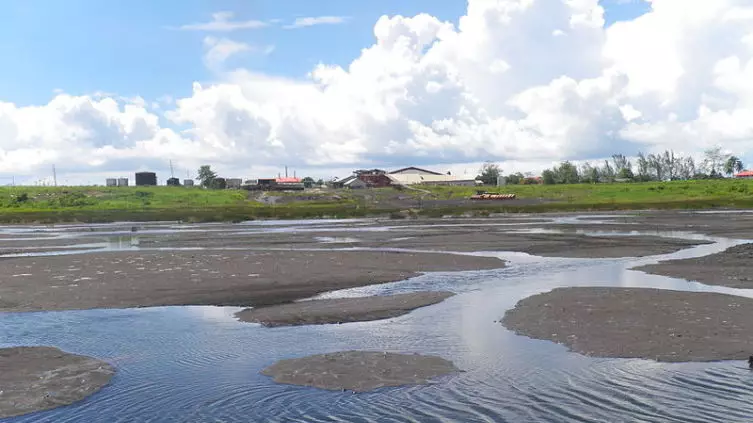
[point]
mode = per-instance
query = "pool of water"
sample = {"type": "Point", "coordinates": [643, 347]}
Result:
{"type": "Point", "coordinates": [198, 364]}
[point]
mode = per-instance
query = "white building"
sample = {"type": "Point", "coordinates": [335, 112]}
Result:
{"type": "Point", "coordinates": [415, 176]}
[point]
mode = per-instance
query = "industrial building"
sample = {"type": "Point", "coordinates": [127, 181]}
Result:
{"type": "Point", "coordinates": [116, 182]}
{"type": "Point", "coordinates": [274, 184]}
{"type": "Point", "coordinates": [416, 176]}
{"type": "Point", "coordinates": [146, 179]}
{"type": "Point", "coordinates": [173, 182]}
{"type": "Point", "coordinates": [188, 182]}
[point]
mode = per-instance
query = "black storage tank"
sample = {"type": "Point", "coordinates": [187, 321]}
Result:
{"type": "Point", "coordinates": [146, 179]}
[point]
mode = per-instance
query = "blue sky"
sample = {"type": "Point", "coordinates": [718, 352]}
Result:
{"type": "Point", "coordinates": [126, 47]}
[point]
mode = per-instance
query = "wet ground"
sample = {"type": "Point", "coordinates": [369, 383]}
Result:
{"type": "Point", "coordinates": [199, 364]}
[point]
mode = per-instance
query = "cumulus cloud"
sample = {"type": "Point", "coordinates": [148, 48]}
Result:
{"type": "Point", "coordinates": [316, 20]}
{"type": "Point", "coordinates": [526, 82]}
{"type": "Point", "coordinates": [222, 22]}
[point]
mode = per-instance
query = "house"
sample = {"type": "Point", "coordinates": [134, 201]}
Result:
{"type": "Point", "coordinates": [745, 174]}
{"type": "Point", "coordinates": [374, 178]}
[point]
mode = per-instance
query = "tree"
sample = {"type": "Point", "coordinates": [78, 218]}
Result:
{"type": "Point", "coordinates": [644, 173]}
{"type": "Point", "coordinates": [206, 176]}
{"type": "Point", "coordinates": [308, 182]}
{"type": "Point", "coordinates": [607, 172]}
{"type": "Point", "coordinates": [489, 173]}
{"type": "Point", "coordinates": [548, 177]}
{"type": "Point", "coordinates": [514, 178]}
{"type": "Point", "coordinates": [621, 165]}
{"type": "Point", "coordinates": [588, 173]}
{"type": "Point", "coordinates": [566, 173]}
{"type": "Point", "coordinates": [732, 165]}
{"type": "Point", "coordinates": [669, 164]}
{"type": "Point", "coordinates": [218, 183]}
{"type": "Point", "coordinates": [687, 168]}
{"type": "Point", "coordinates": [713, 161]}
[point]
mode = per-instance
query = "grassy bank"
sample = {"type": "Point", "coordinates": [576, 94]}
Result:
{"type": "Point", "coordinates": [100, 204]}
{"type": "Point", "coordinates": [723, 190]}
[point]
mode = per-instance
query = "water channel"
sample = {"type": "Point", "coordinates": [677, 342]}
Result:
{"type": "Point", "coordinates": [198, 364]}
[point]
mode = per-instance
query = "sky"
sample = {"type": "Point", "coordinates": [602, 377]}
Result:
{"type": "Point", "coordinates": [105, 89]}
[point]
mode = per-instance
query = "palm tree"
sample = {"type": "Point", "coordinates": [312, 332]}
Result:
{"type": "Point", "coordinates": [733, 165]}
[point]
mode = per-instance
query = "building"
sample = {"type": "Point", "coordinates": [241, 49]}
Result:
{"type": "Point", "coordinates": [111, 182]}
{"type": "Point", "coordinates": [352, 182]}
{"type": "Point", "coordinates": [173, 182]}
{"type": "Point", "coordinates": [745, 174]}
{"type": "Point", "coordinates": [417, 176]}
{"type": "Point", "coordinates": [414, 171]}
{"type": "Point", "coordinates": [234, 183]}
{"type": "Point", "coordinates": [146, 179]}
{"type": "Point", "coordinates": [122, 182]}
{"type": "Point", "coordinates": [374, 178]}
{"type": "Point", "coordinates": [188, 182]}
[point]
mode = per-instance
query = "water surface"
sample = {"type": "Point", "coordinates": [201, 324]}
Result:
{"type": "Point", "coordinates": [198, 364]}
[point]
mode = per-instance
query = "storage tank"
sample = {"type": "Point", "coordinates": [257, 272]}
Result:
{"type": "Point", "coordinates": [111, 182]}
{"type": "Point", "coordinates": [122, 182]}
{"type": "Point", "coordinates": [146, 179]}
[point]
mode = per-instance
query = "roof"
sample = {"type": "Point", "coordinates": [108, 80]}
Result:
{"type": "Point", "coordinates": [288, 180]}
{"type": "Point", "coordinates": [431, 172]}
{"type": "Point", "coordinates": [353, 181]}
{"type": "Point", "coordinates": [745, 174]}
{"type": "Point", "coordinates": [346, 179]}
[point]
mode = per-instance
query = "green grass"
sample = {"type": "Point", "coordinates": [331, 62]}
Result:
{"type": "Point", "coordinates": [100, 204]}
{"type": "Point", "coordinates": [720, 191]}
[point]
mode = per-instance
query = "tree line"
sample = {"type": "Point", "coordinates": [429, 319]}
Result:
{"type": "Point", "coordinates": [666, 166]}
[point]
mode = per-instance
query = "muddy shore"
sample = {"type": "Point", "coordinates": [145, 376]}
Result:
{"type": "Point", "coordinates": [225, 278]}
{"type": "Point", "coordinates": [341, 310]}
{"type": "Point", "coordinates": [359, 371]}
{"type": "Point", "coordinates": [662, 325]}
{"type": "Point", "coordinates": [40, 378]}
{"type": "Point", "coordinates": [730, 268]}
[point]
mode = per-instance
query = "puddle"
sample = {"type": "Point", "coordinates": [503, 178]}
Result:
{"type": "Point", "coordinates": [199, 364]}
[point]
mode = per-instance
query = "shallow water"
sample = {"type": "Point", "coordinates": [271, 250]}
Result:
{"type": "Point", "coordinates": [197, 364]}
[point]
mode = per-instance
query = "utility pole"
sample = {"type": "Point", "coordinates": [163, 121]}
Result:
{"type": "Point", "coordinates": [286, 171]}
{"type": "Point", "coordinates": [172, 174]}
{"type": "Point", "coordinates": [54, 176]}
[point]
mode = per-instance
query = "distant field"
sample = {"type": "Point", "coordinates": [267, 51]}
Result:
{"type": "Point", "coordinates": [90, 204]}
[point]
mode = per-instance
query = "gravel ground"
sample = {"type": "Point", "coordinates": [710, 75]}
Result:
{"type": "Point", "coordinates": [662, 325]}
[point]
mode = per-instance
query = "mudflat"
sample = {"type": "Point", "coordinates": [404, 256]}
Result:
{"type": "Point", "coordinates": [341, 310]}
{"type": "Point", "coordinates": [731, 268]}
{"type": "Point", "coordinates": [40, 378]}
{"type": "Point", "coordinates": [546, 245]}
{"type": "Point", "coordinates": [359, 371]}
{"type": "Point", "coordinates": [662, 325]}
{"type": "Point", "coordinates": [229, 278]}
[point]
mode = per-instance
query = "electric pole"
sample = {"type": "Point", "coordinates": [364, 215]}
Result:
{"type": "Point", "coordinates": [54, 176]}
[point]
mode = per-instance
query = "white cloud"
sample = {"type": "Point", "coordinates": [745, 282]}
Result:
{"type": "Point", "coordinates": [222, 22]}
{"type": "Point", "coordinates": [316, 20]}
{"type": "Point", "coordinates": [498, 85]}
{"type": "Point", "coordinates": [220, 49]}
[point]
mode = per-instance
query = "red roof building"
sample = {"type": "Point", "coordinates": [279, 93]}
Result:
{"type": "Point", "coordinates": [745, 174]}
{"type": "Point", "coordinates": [288, 180]}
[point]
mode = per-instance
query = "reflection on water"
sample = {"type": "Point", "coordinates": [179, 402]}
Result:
{"type": "Point", "coordinates": [197, 364]}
